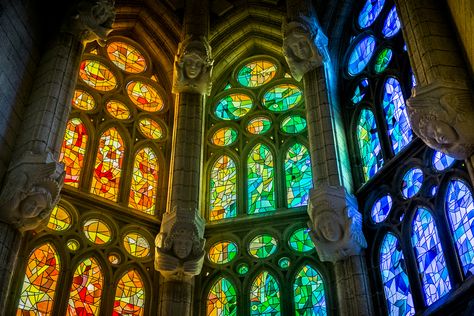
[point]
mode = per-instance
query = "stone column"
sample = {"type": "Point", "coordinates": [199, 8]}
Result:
{"type": "Point", "coordinates": [35, 177]}
{"type": "Point", "coordinates": [180, 244]}
{"type": "Point", "coordinates": [335, 222]}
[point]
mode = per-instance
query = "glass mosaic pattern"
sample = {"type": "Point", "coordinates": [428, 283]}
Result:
{"type": "Point", "coordinates": [383, 59]}
{"type": "Point", "coordinates": [256, 73]}
{"type": "Point", "coordinates": [293, 124]}
{"type": "Point", "coordinates": [282, 97]}
{"type": "Point", "coordinates": [265, 295]}
{"type": "Point", "coordinates": [97, 75]}
{"type": "Point", "coordinates": [369, 144]}
{"type": "Point", "coordinates": [86, 289]}
{"type": "Point", "coordinates": [126, 57]}
{"type": "Point", "coordinates": [60, 219]}
{"type": "Point", "coordinates": [309, 293]}
{"type": "Point", "coordinates": [441, 161]}
{"type": "Point", "coordinates": [284, 263]}
{"type": "Point", "coordinates": [394, 278]}
{"type": "Point", "coordinates": [242, 268]}
{"type": "Point", "coordinates": [144, 96]}
{"type": "Point", "coordinates": [136, 245]}
{"type": "Point", "coordinates": [460, 209]}
{"type": "Point", "coordinates": [381, 208]}
{"type": "Point", "coordinates": [223, 252]}
{"type": "Point", "coordinates": [118, 110]}
{"type": "Point", "coordinates": [222, 299]}
{"type": "Point", "coordinates": [83, 100]}
{"type": "Point", "coordinates": [360, 91]}
{"type": "Point", "coordinates": [224, 136]}
{"type": "Point", "coordinates": [392, 24]}
{"type": "Point", "coordinates": [73, 151]}
{"type": "Point", "coordinates": [262, 246]}
{"type": "Point", "coordinates": [144, 181]}
{"type": "Point", "coordinates": [233, 107]}
{"type": "Point", "coordinates": [97, 231]}
{"type": "Point", "coordinates": [396, 115]}
{"type": "Point", "coordinates": [261, 195]}
{"type": "Point", "coordinates": [370, 12]}
{"type": "Point", "coordinates": [430, 257]}
{"type": "Point", "coordinates": [223, 189]}
{"type": "Point", "coordinates": [300, 240]}
{"type": "Point", "coordinates": [150, 128]}
{"type": "Point", "coordinates": [39, 283]}
{"type": "Point", "coordinates": [114, 259]}
{"type": "Point", "coordinates": [72, 244]}
{"type": "Point", "coordinates": [129, 295]}
{"type": "Point", "coordinates": [361, 55]}
{"type": "Point", "coordinates": [298, 175]}
{"type": "Point", "coordinates": [411, 182]}
{"type": "Point", "coordinates": [108, 165]}
{"type": "Point", "coordinates": [259, 125]}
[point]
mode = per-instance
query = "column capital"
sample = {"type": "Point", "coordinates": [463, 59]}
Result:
{"type": "Point", "coordinates": [336, 224]}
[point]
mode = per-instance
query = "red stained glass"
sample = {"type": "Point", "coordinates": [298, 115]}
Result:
{"type": "Point", "coordinates": [126, 57]}
{"type": "Point", "coordinates": [73, 151]}
{"type": "Point", "coordinates": [130, 295]}
{"type": "Point", "coordinates": [97, 75]}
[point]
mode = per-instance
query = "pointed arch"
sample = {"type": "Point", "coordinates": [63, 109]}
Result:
{"type": "Point", "coordinates": [73, 150]}
{"type": "Point", "coordinates": [368, 140]}
{"type": "Point", "coordinates": [298, 176]}
{"type": "Point", "coordinates": [265, 295]}
{"type": "Point", "coordinates": [222, 298]}
{"type": "Point", "coordinates": [223, 189]}
{"type": "Point", "coordinates": [130, 295]}
{"type": "Point", "coordinates": [309, 293]}
{"type": "Point", "coordinates": [260, 179]}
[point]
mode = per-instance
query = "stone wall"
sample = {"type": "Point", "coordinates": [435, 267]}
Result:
{"type": "Point", "coordinates": [462, 12]}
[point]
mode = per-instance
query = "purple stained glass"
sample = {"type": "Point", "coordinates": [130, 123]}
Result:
{"type": "Point", "coordinates": [370, 12]}
{"type": "Point", "coordinates": [360, 91]}
{"type": "Point", "coordinates": [392, 24]}
{"type": "Point", "coordinates": [369, 144]}
{"type": "Point", "coordinates": [460, 208]}
{"type": "Point", "coordinates": [396, 115]}
{"type": "Point", "coordinates": [361, 55]}
{"type": "Point", "coordinates": [411, 183]}
{"type": "Point", "coordinates": [381, 208]}
{"type": "Point", "coordinates": [441, 161]}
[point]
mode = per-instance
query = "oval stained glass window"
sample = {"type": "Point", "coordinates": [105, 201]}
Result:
{"type": "Point", "coordinates": [392, 24]}
{"type": "Point", "coordinates": [282, 97]}
{"type": "Point", "coordinates": [97, 75]}
{"type": "Point", "coordinates": [113, 258]}
{"type": "Point", "coordinates": [381, 208]}
{"type": "Point", "coordinates": [360, 91]}
{"type": "Point", "coordinates": [293, 124]}
{"type": "Point", "coordinates": [441, 161]}
{"type": "Point", "coordinates": [300, 240]}
{"type": "Point", "coordinates": [262, 246]}
{"type": "Point", "coordinates": [256, 73]}
{"type": "Point", "coordinates": [83, 100]}
{"type": "Point", "coordinates": [60, 219]}
{"type": "Point", "coordinates": [97, 231]}
{"type": "Point", "coordinates": [72, 244]}
{"type": "Point", "coordinates": [150, 128]}
{"type": "Point", "coordinates": [370, 12]}
{"type": "Point", "coordinates": [126, 57]}
{"type": "Point", "coordinates": [144, 96]}
{"type": "Point", "coordinates": [118, 110]}
{"type": "Point", "coordinates": [136, 245]}
{"type": "Point", "coordinates": [411, 183]}
{"type": "Point", "coordinates": [383, 59]}
{"type": "Point", "coordinates": [224, 136]}
{"type": "Point", "coordinates": [242, 268]}
{"type": "Point", "coordinates": [284, 263]}
{"type": "Point", "coordinates": [222, 252]}
{"type": "Point", "coordinates": [233, 107]}
{"type": "Point", "coordinates": [259, 125]}
{"type": "Point", "coordinates": [361, 55]}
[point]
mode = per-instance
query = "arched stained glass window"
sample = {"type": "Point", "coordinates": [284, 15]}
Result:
{"type": "Point", "coordinates": [108, 165]}
{"type": "Point", "coordinates": [223, 189]}
{"type": "Point", "coordinates": [129, 295]}
{"type": "Point", "coordinates": [39, 284]}
{"type": "Point", "coordinates": [86, 289]}
{"type": "Point", "coordinates": [265, 295]}
{"type": "Point", "coordinates": [222, 299]}
{"type": "Point", "coordinates": [73, 150]}
{"type": "Point", "coordinates": [369, 144]}
{"type": "Point", "coordinates": [298, 175]}
{"type": "Point", "coordinates": [261, 195]}
{"type": "Point", "coordinates": [309, 293]}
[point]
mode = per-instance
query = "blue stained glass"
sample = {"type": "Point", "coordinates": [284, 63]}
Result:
{"type": "Point", "coordinates": [381, 208]}
{"type": "Point", "coordinates": [433, 190]}
{"type": "Point", "coordinates": [361, 55]}
{"type": "Point", "coordinates": [369, 144]}
{"type": "Point", "coordinates": [430, 257]}
{"type": "Point", "coordinates": [370, 12]}
{"type": "Point", "coordinates": [309, 293]}
{"type": "Point", "coordinates": [392, 24]}
{"type": "Point", "coordinates": [413, 80]}
{"type": "Point", "coordinates": [411, 183]}
{"type": "Point", "coordinates": [396, 115]}
{"type": "Point", "coordinates": [460, 208]}
{"type": "Point", "coordinates": [360, 91]}
{"type": "Point", "coordinates": [441, 161]}
{"type": "Point", "coordinates": [298, 175]}
{"type": "Point", "coordinates": [394, 277]}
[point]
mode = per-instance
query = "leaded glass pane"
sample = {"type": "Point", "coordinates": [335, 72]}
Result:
{"type": "Point", "coordinates": [222, 299]}
{"type": "Point", "coordinates": [118, 110]}
{"type": "Point", "coordinates": [308, 288]}
{"type": "Point", "coordinates": [300, 240]}
{"type": "Point", "coordinates": [144, 96]}
{"type": "Point", "coordinates": [369, 144]}
{"type": "Point", "coordinates": [60, 219]}
{"type": "Point", "coordinates": [392, 24]}
{"type": "Point", "coordinates": [224, 136]}
{"type": "Point", "coordinates": [97, 231]}
{"type": "Point", "coordinates": [73, 151]}
{"type": "Point", "coordinates": [97, 75]}
{"type": "Point", "coordinates": [83, 100]}
{"type": "Point", "coordinates": [370, 12]}
{"type": "Point", "coordinates": [126, 57]}
{"type": "Point", "coordinates": [223, 189]}
{"type": "Point", "coordinates": [441, 161]}
{"type": "Point", "coordinates": [293, 124]}
{"type": "Point", "coordinates": [222, 252]}
{"type": "Point", "coordinates": [256, 73]}
{"type": "Point", "coordinates": [360, 91]}
{"type": "Point", "coordinates": [136, 245]}
{"type": "Point", "coordinates": [298, 175]}
{"type": "Point", "coordinates": [282, 97]}
{"type": "Point", "coordinates": [233, 107]}
{"type": "Point", "coordinates": [259, 125]}
{"type": "Point", "coordinates": [261, 195]}
{"type": "Point", "coordinates": [381, 208]}
{"type": "Point", "coordinates": [412, 182]}
{"type": "Point", "coordinates": [361, 55]}
{"type": "Point", "coordinates": [262, 246]}
{"type": "Point", "coordinates": [383, 59]}
{"type": "Point", "coordinates": [265, 296]}
{"type": "Point", "coordinates": [150, 128]}
{"type": "Point", "coordinates": [129, 295]}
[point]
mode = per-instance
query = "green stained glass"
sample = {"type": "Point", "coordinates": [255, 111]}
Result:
{"type": "Point", "coordinates": [298, 175]}
{"type": "Point", "coordinates": [369, 144]}
{"type": "Point", "coordinates": [282, 97]}
{"type": "Point", "coordinates": [284, 263]}
{"type": "Point", "coordinates": [383, 59]}
{"type": "Point", "coordinates": [227, 86]}
{"type": "Point", "coordinates": [223, 189]}
{"type": "Point", "coordinates": [265, 296]}
{"type": "Point", "coordinates": [259, 125]}
{"type": "Point", "coordinates": [261, 194]}
{"type": "Point", "coordinates": [233, 107]}
{"type": "Point", "coordinates": [262, 246]}
{"type": "Point", "coordinates": [224, 136]}
{"type": "Point", "coordinates": [360, 91]}
{"type": "Point", "coordinates": [222, 299]}
{"type": "Point", "coordinates": [222, 252]}
{"type": "Point", "coordinates": [256, 73]}
{"type": "Point", "coordinates": [242, 268]}
{"type": "Point", "coordinates": [309, 293]}
{"type": "Point", "coordinates": [293, 124]}
{"type": "Point", "coordinates": [301, 241]}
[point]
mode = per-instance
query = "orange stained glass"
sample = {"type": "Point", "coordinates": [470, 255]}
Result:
{"type": "Point", "coordinates": [108, 165]}
{"type": "Point", "coordinates": [83, 100]}
{"type": "Point", "coordinates": [97, 231]}
{"type": "Point", "coordinates": [150, 128]}
{"type": "Point", "coordinates": [97, 75]}
{"type": "Point", "coordinates": [136, 245]}
{"type": "Point", "coordinates": [39, 284]}
{"type": "Point", "coordinates": [126, 57]}
{"type": "Point", "coordinates": [144, 181]}
{"type": "Point", "coordinates": [145, 96]}
{"type": "Point", "coordinates": [60, 219]}
{"type": "Point", "coordinates": [130, 295]}
{"type": "Point", "coordinates": [118, 110]}
{"type": "Point", "coordinates": [86, 289]}
{"type": "Point", "coordinates": [73, 150]}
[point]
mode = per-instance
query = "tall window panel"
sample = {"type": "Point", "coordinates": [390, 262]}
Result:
{"type": "Point", "coordinates": [265, 295]}
{"type": "Point", "coordinates": [129, 295]}
{"type": "Point", "coordinates": [73, 151]}
{"type": "Point", "coordinates": [223, 189]}
{"type": "Point", "coordinates": [222, 299]}
{"type": "Point", "coordinates": [309, 293]}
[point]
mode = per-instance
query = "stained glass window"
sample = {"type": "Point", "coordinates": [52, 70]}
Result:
{"type": "Point", "coordinates": [83, 100]}
{"type": "Point", "coordinates": [126, 57]}
{"type": "Point", "coordinates": [370, 12]}
{"type": "Point", "coordinates": [118, 110]}
{"type": "Point", "coordinates": [394, 277]}
{"type": "Point", "coordinates": [261, 195]}
{"type": "Point", "coordinates": [293, 124]}
{"type": "Point", "coordinates": [222, 252]}
{"type": "Point", "coordinates": [392, 24]}
{"type": "Point", "coordinates": [224, 136]}
{"type": "Point", "coordinates": [369, 144]}
{"type": "Point", "coordinates": [309, 294]}
{"type": "Point", "coordinates": [256, 73]}
{"type": "Point", "coordinates": [265, 295]}
{"type": "Point", "coordinates": [412, 182]}
{"type": "Point", "coordinates": [129, 295]}
{"type": "Point", "coordinates": [136, 245]}
{"type": "Point", "coordinates": [60, 219]}
{"type": "Point", "coordinates": [223, 189]}
{"type": "Point", "coordinates": [259, 125]}
{"type": "Point", "coordinates": [108, 165]}
{"type": "Point", "coordinates": [73, 244]}
{"type": "Point", "coordinates": [361, 55]}
{"type": "Point", "coordinates": [381, 208]}
{"type": "Point", "coordinates": [39, 283]}
{"type": "Point", "coordinates": [86, 289]}
{"type": "Point", "coordinates": [144, 96]}
{"type": "Point", "coordinates": [150, 128]}
{"type": "Point", "coordinates": [430, 257]}
{"type": "Point", "coordinates": [282, 97]}
{"type": "Point", "coordinates": [222, 299]}
{"type": "Point", "coordinates": [360, 91]}
{"type": "Point", "coordinates": [73, 150]}
{"type": "Point", "coordinates": [383, 59]}
{"type": "Point", "coordinates": [144, 181]}
{"type": "Point", "coordinates": [233, 107]}
{"type": "Point", "coordinates": [298, 175]}
{"type": "Point", "coordinates": [284, 263]}
{"type": "Point", "coordinates": [242, 268]}
{"type": "Point", "coordinates": [97, 231]}
{"type": "Point", "coordinates": [441, 161]}
{"type": "Point", "coordinates": [97, 75]}
{"type": "Point", "coordinates": [262, 246]}
{"type": "Point", "coordinates": [301, 241]}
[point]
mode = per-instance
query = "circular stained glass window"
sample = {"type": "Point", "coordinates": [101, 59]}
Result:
{"type": "Point", "coordinates": [233, 107]}
{"type": "Point", "coordinates": [282, 97]}
{"type": "Point", "coordinates": [126, 57]}
{"type": "Point", "coordinates": [136, 245]}
{"type": "Point", "coordinates": [150, 128]}
{"type": "Point", "coordinates": [224, 136]}
{"type": "Point", "coordinates": [392, 24]}
{"type": "Point", "coordinates": [114, 258]}
{"type": "Point", "coordinates": [97, 75]}
{"type": "Point", "coordinates": [411, 183]}
{"type": "Point", "coordinates": [72, 244]}
{"type": "Point", "coordinates": [361, 55]}
{"type": "Point", "coordinates": [301, 241]}
{"type": "Point", "coordinates": [441, 161]}
{"type": "Point", "coordinates": [118, 110]}
{"type": "Point", "coordinates": [360, 91]}
{"type": "Point", "coordinates": [256, 73]}
{"type": "Point", "coordinates": [284, 263]}
{"type": "Point", "coordinates": [60, 219]}
{"type": "Point", "coordinates": [383, 59]}
{"type": "Point", "coordinates": [83, 100]}
{"type": "Point", "coordinates": [242, 268]}
{"type": "Point", "coordinates": [381, 208]}
{"type": "Point", "coordinates": [262, 246]}
{"type": "Point", "coordinates": [222, 252]}
{"type": "Point", "coordinates": [144, 96]}
{"type": "Point", "coordinates": [293, 124]}
{"type": "Point", "coordinates": [97, 231]}
{"type": "Point", "coordinates": [259, 125]}
{"type": "Point", "coordinates": [370, 12]}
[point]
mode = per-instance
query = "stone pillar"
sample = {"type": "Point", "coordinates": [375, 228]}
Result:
{"type": "Point", "coordinates": [35, 177]}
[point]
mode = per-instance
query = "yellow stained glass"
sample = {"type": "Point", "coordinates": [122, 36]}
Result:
{"type": "Point", "coordinates": [256, 73]}
{"type": "Point", "coordinates": [150, 128]}
{"type": "Point", "coordinates": [72, 244]}
{"type": "Point", "coordinates": [97, 231]}
{"type": "Point", "coordinates": [60, 219]}
{"type": "Point", "coordinates": [130, 295]}
{"type": "Point", "coordinates": [83, 100]}
{"type": "Point", "coordinates": [144, 96]}
{"type": "Point", "coordinates": [114, 259]}
{"type": "Point", "coordinates": [73, 151]}
{"type": "Point", "coordinates": [126, 57]}
{"type": "Point", "coordinates": [97, 75]}
{"type": "Point", "coordinates": [118, 110]}
{"type": "Point", "coordinates": [136, 245]}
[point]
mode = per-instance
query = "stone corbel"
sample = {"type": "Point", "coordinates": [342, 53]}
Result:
{"type": "Point", "coordinates": [336, 225]}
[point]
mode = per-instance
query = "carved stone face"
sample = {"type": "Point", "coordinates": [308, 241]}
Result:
{"type": "Point", "coordinates": [34, 204]}
{"type": "Point", "coordinates": [299, 45]}
{"type": "Point", "coordinates": [438, 134]}
{"type": "Point", "coordinates": [182, 243]}
{"type": "Point", "coordinates": [329, 228]}
{"type": "Point", "coordinates": [193, 65]}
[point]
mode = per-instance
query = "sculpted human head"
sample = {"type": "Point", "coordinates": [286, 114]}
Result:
{"type": "Point", "coordinates": [182, 242]}
{"type": "Point", "coordinates": [329, 227]}
{"type": "Point", "coordinates": [193, 64]}
{"type": "Point", "coordinates": [36, 203]}
{"type": "Point", "coordinates": [299, 43]}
